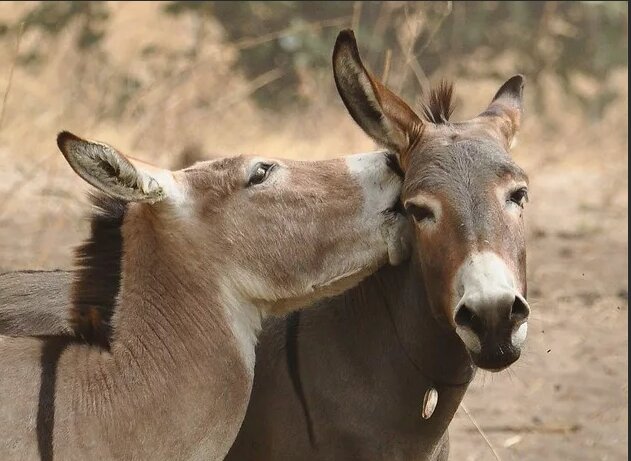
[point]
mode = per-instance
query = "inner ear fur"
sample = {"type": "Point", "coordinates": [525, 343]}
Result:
{"type": "Point", "coordinates": [108, 170]}
{"type": "Point", "coordinates": [380, 113]}
{"type": "Point", "coordinates": [505, 110]}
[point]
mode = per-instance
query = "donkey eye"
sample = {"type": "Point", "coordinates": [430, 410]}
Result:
{"type": "Point", "coordinates": [419, 212]}
{"type": "Point", "coordinates": [260, 173]}
{"type": "Point", "coordinates": [519, 196]}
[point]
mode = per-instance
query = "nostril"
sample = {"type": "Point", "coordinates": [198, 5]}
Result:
{"type": "Point", "coordinates": [520, 310]}
{"type": "Point", "coordinates": [465, 317]}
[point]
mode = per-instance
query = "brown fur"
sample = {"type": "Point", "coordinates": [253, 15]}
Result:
{"type": "Point", "coordinates": [35, 303]}
{"type": "Point", "coordinates": [365, 359]}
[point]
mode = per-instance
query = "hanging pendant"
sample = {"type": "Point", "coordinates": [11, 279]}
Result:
{"type": "Point", "coordinates": [430, 400]}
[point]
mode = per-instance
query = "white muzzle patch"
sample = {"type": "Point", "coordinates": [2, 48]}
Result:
{"type": "Point", "coordinates": [484, 283]}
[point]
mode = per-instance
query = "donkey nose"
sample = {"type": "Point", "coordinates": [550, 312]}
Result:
{"type": "Point", "coordinates": [481, 311]}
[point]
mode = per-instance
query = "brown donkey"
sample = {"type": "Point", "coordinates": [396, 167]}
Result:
{"type": "Point", "coordinates": [465, 196]}
{"type": "Point", "coordinates": [380, 372]}
{"type": "Point", "coordinates": [191, 260]}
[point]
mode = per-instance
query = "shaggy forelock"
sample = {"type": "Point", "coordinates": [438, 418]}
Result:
{"type": "Point", "coordinates": [439, 105]}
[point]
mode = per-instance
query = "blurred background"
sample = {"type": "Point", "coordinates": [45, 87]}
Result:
{"type": "Point", "coordinates": [174, 82]}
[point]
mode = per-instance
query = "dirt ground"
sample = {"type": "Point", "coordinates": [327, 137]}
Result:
{"type": "Point", "coordinates": [566, 398]}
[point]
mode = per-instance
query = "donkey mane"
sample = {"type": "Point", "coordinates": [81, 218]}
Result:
{"type": "Point", "coordinates": [97, 277]}
{"type": "Point", "coordinates": [439, 105]}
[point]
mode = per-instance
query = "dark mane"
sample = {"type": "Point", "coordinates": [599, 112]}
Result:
{"type": "Point", "coordinates": [98, 271]}
{"type": "Point", "coordinates": [439, 105]}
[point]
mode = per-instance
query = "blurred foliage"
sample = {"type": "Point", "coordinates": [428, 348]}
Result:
{"type": "Point", "coordinates": [474, 39]}
{"type": "Point", "coordinates": [562, 38]}
{"type": "Point", "coordinates": [52, 17]}
{"type": "Point", "coordinates": [291, 45]}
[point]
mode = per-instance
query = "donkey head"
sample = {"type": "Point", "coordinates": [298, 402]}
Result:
{"type": "Point", "coordinates": [465, 196]}
{"type": "Point", "coordinates": [279, 233]}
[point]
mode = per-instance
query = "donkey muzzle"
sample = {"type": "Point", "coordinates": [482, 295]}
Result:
{"type": "Point", "coordinates": [491, 315]}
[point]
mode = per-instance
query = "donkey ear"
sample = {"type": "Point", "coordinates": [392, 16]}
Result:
{"type": "Point", "coordinates": [108, 170]}
{"type": "Point", "coordinates": [378, 111]}
{"type": "Point", "coordinates": [506, 108]}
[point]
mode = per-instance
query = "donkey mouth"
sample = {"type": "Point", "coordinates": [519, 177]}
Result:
{"type": "Point", "coordinates": [496, 358]}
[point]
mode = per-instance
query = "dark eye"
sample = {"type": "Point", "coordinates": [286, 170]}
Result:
{"type": "Point", "coordinates": [260, 173]}
{"type": "Point", "coordinates": [519, 196]}
{"type": "Point", "coordinates": [419, 212]}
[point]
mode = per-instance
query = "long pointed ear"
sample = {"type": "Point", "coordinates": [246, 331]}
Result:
{"type": "Point", "coordinates": [379, 112]}
{"type": "Point", "coordinates": [506, 109]}
{"type": "Point", "coordinates": [109, 171]}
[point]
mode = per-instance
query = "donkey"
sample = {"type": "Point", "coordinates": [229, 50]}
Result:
{"type": "Point", "coordinates": [363, 365]}
{"type": "Point", "coordinates": [379, 373]}
{"type": "Point", "coordinates": [188, 262]}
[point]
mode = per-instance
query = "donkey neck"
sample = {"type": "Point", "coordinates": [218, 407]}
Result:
{"type": "Point", "coordinates": [175, 383]}
{"type": "Point", "coordinates": [433, 348]}
{"type": "Point", "coordinates": [361, 365]}
{"type": "Point", "coordinates": [391, 307]}
{"type": "Point", "coordinates": [168, 296]}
